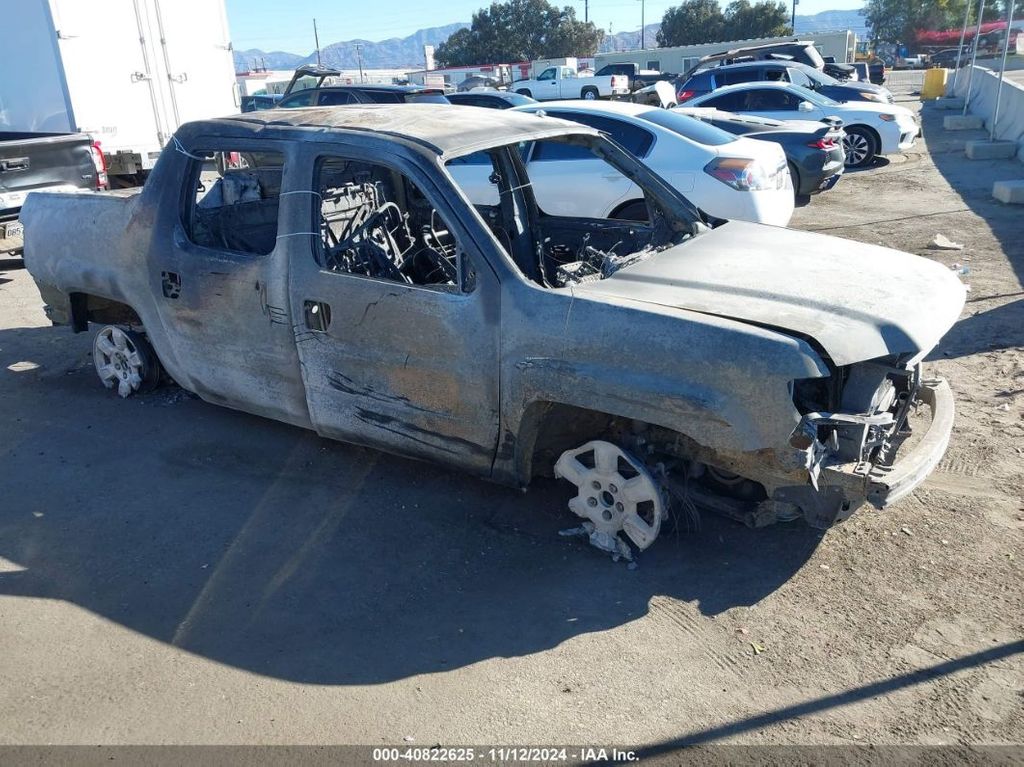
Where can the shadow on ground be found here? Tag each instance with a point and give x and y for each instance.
(266, 548)
(1002, 326)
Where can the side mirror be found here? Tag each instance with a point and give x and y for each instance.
(805, 106)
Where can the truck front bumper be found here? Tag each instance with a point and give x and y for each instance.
(888, 484)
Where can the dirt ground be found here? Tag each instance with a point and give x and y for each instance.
(174, 572)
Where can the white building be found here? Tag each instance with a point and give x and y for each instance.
(679, 59)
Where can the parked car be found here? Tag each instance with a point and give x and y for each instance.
(871, 72)
(800, 51)
(36, 161)
(708, 80)
(638, 78)
(340, 95)
(563, 83)
(871, 129)
(726, 176)
(490, 99)
(948, 58)
(777, 372)
(814, 151)
(260, 101)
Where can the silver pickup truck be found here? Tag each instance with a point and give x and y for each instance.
(321, 267)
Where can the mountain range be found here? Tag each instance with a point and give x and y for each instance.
(407, 52)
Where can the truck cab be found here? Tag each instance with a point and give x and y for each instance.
(560, 82)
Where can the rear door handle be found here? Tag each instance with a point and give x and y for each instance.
(15, 163)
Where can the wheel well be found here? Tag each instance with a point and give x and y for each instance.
(871, 132)
(525, 92)
(548, 429)
(86, 308)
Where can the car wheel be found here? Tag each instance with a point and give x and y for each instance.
(589, 94)
(525, 92)
(632, 211)
(125, 359)
(859, 146)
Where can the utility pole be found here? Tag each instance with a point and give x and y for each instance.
(792, 24)
(316, 39)
(586, 11)
(359, 56)
(643, 39)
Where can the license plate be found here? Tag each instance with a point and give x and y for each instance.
(14, 229)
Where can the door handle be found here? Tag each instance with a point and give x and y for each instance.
(15, 163)
(318, 315)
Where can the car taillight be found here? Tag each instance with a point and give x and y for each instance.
(100, 163)
(741, 174)
(685, 95)
(826, 144)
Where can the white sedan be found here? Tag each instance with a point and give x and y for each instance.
(871, 129)
(724, 175)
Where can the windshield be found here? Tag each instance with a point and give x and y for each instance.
(573, 208)
(819, 77)
(815, 98)
(686, 125)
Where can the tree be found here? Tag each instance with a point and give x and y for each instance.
(519, 30)
(765, 18)
(694, 21)
(702, 21)
(899, 21)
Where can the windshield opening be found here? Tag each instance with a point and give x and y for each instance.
(573, 208)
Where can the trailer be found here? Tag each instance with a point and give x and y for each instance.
(127, 72)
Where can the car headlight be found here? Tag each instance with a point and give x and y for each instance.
(874, 97)
(888, 118)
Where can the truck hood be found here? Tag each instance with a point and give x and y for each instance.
(858, 302)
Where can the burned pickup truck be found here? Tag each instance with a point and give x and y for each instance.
(321, 267)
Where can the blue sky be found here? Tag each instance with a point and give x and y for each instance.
(287, 24)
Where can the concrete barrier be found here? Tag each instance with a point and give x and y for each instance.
(983, 102)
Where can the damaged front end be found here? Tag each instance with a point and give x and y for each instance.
(856, 437)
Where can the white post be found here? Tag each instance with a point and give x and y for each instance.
(974, 54)
(960, 50)
(1002, 72)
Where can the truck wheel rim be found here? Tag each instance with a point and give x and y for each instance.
(118, 361)
(589, 95)
(856, 147)
(616, 493)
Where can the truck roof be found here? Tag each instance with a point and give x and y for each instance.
(445, 129)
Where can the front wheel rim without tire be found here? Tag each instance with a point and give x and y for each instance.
(857, 148)
(119, 361)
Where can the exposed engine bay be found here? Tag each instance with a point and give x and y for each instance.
(376, 223)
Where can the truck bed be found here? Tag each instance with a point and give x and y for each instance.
(36, 162)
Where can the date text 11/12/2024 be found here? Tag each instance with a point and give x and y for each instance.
(501, 754)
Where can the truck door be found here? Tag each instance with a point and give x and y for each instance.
(548, 88)
(220, 278)
(396, 314)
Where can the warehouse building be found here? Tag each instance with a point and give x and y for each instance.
(679, 59)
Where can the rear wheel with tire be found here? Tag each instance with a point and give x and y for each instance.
(860, 147)
(589, 94)
(632, 211)
(125, 359)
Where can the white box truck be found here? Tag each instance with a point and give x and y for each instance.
(126, 72)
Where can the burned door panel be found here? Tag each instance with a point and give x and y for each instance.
(221, 280)
(398, 342)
